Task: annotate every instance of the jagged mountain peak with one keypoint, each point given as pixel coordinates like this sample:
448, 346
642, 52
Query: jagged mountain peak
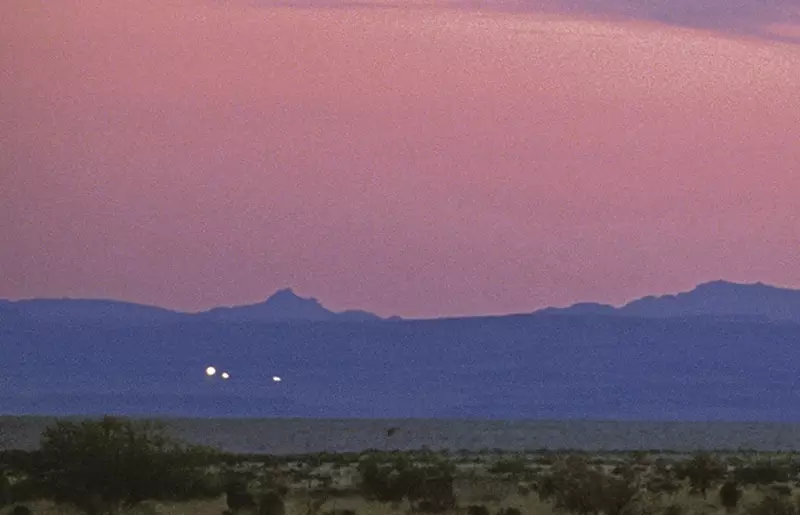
286, 305
287, 298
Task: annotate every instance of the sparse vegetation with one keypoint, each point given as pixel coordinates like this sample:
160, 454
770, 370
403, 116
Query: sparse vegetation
762, 472
100, 466
575, 486
774, 505
110, 465
703, 471
428, 487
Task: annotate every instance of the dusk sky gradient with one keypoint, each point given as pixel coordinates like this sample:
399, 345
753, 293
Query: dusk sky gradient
413, 158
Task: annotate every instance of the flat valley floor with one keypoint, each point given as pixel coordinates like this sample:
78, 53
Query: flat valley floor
297, 436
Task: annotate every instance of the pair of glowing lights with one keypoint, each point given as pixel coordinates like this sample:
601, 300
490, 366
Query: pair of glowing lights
212, 371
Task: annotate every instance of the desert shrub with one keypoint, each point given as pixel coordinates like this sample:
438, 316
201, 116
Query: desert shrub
703, 470
575, 487
729, 495
762, 473
379, 482
237, 497
19, 461
616, 495
431, 489
271, 503
546, 487
428, 487
773, 505
5, 490
98, 466
516, 466
27, 489
21, 510
662, 467
477, 509
674, 509
661, 485
200, 486
781, 489
546, 458
630, 472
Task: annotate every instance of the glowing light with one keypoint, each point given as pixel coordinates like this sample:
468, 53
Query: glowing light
225, 375
276, 379
210, 371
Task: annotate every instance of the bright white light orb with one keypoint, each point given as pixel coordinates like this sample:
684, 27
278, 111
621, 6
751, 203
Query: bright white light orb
225, 375
210, 371
276, 379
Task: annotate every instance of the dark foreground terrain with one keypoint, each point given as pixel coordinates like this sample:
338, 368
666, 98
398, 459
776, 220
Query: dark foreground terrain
108, 466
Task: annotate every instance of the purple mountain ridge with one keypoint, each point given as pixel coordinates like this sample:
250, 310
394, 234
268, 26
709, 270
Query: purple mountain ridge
720, 299
713, 353
285, 305
756, 301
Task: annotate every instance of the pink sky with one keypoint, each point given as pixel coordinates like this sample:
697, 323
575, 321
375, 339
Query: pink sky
408, 159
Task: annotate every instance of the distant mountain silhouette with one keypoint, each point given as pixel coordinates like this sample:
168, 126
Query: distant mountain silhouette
510, 367
285, 305
712, 353
720, 299
82, 310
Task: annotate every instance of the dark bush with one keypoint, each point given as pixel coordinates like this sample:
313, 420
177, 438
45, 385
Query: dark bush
546, 487
784, 489
428, 487
21, 510
477, 509
674, 509
661, 485
382, 482
5, 490
271, 503
773, 505
28, 489
237, 497
762, 473
729, 495
431, 489
616, 495
509, 511
98, 466
201, 486
575, 487
702, 471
